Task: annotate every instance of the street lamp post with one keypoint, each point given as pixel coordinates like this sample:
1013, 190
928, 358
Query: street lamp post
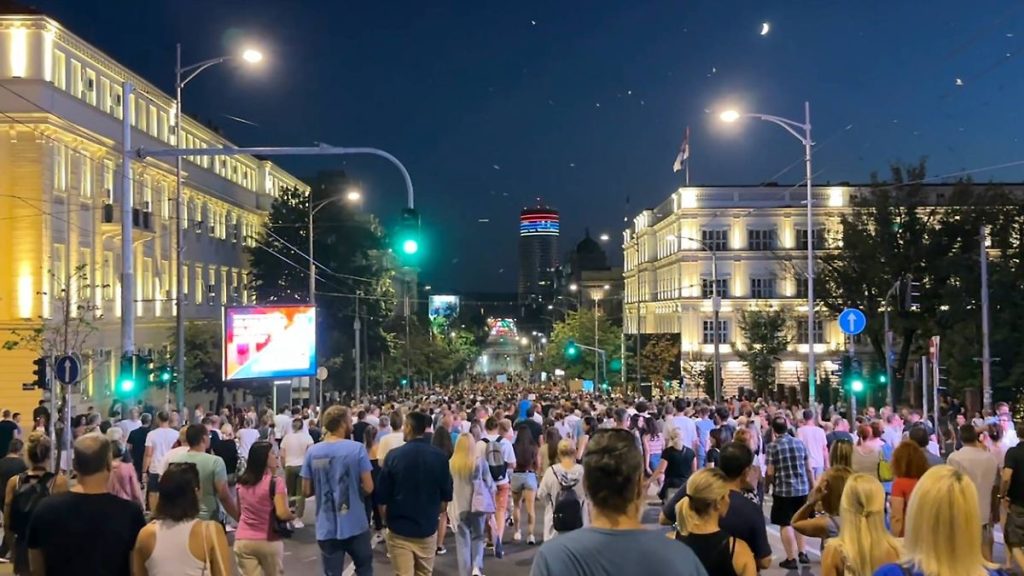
802, 132
251, 56
716, 306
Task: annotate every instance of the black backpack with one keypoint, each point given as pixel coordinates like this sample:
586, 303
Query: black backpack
495, 459
27, 495
567, 511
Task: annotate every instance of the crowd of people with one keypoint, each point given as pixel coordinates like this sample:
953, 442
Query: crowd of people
218, 493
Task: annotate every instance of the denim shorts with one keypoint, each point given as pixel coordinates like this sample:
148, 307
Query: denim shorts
524, 481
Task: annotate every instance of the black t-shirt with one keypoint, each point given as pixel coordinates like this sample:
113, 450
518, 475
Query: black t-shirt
10, 466
7, 430
1015, 461
227, 450
679, 463
838, 436
744, 520
359, 431
72, 522
137, 440
536, 429
41, 412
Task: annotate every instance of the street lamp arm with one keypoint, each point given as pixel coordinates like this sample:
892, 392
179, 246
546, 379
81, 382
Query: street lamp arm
322, 149
786, 123
199, 67
703, 244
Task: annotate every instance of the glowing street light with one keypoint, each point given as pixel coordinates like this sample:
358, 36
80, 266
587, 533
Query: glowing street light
729, 116
353, 195
603, 237
252, 56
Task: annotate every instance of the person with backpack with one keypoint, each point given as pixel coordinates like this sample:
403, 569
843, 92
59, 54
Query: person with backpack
562, 490
23, 494
500, 458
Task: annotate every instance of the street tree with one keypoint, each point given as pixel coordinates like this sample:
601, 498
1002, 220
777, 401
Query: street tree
660, 357
579, 327
767, 334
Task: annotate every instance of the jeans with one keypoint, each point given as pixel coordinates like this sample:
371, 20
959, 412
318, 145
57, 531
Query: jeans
469, 542
293, 482
333, 552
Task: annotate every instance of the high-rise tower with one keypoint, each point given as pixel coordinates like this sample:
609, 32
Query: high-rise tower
538, 251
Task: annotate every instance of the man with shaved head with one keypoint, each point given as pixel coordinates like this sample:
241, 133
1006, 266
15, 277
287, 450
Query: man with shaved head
68, 521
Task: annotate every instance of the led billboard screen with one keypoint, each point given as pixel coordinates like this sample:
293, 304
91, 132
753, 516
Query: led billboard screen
269, 342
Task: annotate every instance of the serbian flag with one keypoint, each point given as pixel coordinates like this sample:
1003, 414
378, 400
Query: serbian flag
684, 152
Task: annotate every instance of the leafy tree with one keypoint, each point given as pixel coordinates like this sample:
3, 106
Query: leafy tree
352, 256
579, 326
766, 337
660, 357
699, 373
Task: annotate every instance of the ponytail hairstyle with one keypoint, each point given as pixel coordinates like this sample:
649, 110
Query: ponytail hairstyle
863, 538
705, 492
38, 449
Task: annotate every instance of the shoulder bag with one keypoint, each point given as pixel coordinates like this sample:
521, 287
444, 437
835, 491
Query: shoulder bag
278, 527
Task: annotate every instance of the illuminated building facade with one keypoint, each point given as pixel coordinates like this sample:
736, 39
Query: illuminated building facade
538, 252
60, 185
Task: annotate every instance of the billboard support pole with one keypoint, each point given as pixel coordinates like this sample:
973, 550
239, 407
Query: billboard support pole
359, 354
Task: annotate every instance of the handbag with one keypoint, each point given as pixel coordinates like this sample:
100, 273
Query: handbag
278, 527
482, 501
885, 473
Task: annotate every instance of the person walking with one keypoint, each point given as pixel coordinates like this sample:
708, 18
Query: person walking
337, 471
123, 481
1011, 496
982, 468
36, 480
500, 457
945, 501
86, 529
415, 483
908, 465
564, 475
213, 475
11, 465
294, 447
262, 498
678, 462
159, 442
697, 526
177, 542
816, 443
524, 481
788, 474
473, 491
616, 542
442, 440
863, 544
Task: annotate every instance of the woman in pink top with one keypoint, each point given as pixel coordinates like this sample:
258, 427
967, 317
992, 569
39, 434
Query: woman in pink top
123, 482
259, 551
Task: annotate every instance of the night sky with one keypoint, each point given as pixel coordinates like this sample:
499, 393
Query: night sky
492, 105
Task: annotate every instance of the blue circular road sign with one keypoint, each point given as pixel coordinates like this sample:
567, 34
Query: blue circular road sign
68, 369
852, 321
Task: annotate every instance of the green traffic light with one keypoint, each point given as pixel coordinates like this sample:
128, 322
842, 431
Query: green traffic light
165, 375
857, 385
883, 378
127, 385
571, 350
615, 365
410, 246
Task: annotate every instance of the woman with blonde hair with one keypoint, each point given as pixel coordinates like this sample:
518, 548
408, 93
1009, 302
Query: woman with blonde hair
473, 487
841, 454
564, 473
863, 543
677, 464
697, 526
829, 493
939, 539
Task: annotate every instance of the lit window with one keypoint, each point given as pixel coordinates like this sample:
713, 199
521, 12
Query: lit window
706, 288
762, 287
60, 70
86, 176
801, 330
709, 331
760, 239
715, 240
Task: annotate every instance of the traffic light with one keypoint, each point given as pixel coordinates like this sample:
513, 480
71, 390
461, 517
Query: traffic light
165, 374
913, 294
126, 378
572, 351
856, 383
882, 378
615, 365
408, 237
405, 382
42, 379
145, 369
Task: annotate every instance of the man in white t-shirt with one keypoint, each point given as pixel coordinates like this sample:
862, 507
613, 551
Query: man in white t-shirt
159, 442
498, 432
393, 440
293, 453
687, 427
130, 423
373, 416
816, 443
282, 423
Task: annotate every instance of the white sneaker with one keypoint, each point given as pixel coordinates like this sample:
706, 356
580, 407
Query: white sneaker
297, 524
477, 572
517, 536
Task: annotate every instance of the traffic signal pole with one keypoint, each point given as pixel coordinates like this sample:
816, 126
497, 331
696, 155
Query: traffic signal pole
853, 393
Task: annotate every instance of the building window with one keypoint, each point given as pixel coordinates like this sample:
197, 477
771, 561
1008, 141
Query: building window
139, 114
60, 70
60, 168
147, 279
709, 331
761, 239
715, 240
90, 87
86, 177
801, 331
762, 287
184, 281
817, 236
163, 127
706, 288
199, 285
76, 79
85, 276
116, 94
223, 286
154, 127
108, 276
211, 284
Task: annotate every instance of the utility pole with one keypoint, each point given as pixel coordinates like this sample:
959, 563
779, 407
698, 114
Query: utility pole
356, 325
888, 345
986, 353
127, 248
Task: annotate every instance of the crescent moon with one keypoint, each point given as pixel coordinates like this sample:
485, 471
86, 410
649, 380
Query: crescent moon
765, 27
